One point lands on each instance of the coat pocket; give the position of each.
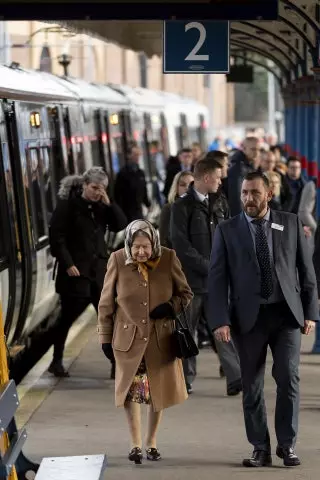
(164, 332)
(123, 336)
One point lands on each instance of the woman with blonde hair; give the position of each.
(179, 186)
(144, 289)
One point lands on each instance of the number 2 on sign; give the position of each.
(193, 55)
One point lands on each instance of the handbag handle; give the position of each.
(178, 319)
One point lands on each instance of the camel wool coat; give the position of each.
(123, 320)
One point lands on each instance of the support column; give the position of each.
(298, 121)
(304, 125)
(289, 100)
(312, 137)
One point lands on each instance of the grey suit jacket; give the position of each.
(235, 274)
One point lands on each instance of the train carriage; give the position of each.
(51, 127)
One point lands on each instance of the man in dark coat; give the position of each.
(181, 163)
(192, 226)
(242, 162)
(130, 190)
(77, 240)
(292, 186)
(262, 286)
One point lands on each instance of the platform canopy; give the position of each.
(291, 42)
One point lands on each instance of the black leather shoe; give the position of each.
(234, 388)
(58, 370)
(287, 454)
(189, 388)
(135, 455)
(153, 454)
(113, 371)
(259, 458)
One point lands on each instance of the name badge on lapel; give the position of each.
(276, 226)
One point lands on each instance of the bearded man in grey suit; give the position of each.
(262, 286)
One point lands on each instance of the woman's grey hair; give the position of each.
(175, 184)
(95, 175)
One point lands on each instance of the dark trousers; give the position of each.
(71, 308)
(277, 328)
(227, 352)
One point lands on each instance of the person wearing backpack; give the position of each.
(77, 241)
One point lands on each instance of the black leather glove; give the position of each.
(164, 310)
(108, 351)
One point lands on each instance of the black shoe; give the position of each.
(58, 370)
(189, 388)
(153, 454)
(234, 388)
(113, 371)
(135, 455)
(287, 454)
(259, 458)
(221, 372)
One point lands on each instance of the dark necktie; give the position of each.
(264, 260)
(206, 202)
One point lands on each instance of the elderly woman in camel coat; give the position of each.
(144, 289)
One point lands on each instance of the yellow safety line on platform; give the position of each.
(4, 378)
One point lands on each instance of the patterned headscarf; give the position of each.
(146, 227)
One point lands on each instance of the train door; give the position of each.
(101, 155)
(182, 133)
(147, 139)
(116, 124)
(164, 136)
(68, 132)
(203, 133)
(58, 137)
(10, 253)
(125, 129)
(22, 270)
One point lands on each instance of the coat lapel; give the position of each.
(246, 238)
(276, 217)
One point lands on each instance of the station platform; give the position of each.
(203, 438)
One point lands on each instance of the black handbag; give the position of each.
(185, 345)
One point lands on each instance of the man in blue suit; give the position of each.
(262, 285)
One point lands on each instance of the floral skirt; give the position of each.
(139, 391)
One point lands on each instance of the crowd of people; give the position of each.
(232, 255)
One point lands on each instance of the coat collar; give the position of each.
(245, 235)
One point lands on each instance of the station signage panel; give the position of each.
(196, 47)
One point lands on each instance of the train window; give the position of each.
(116, 148)
(194, 135)
(78, 155)
(48, 180)
(36, 192)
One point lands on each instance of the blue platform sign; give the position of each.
(199, 46)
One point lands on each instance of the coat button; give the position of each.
(145, 304)
(144, 321)
(164, 324)
(125, 326)
(145, 339)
